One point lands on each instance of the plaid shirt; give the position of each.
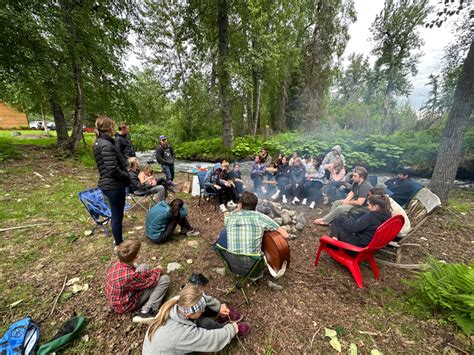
(245, 231)
(124, 286)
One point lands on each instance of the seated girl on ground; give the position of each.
(143, 185)
(360, 228)
(163, 218)
(185, 324)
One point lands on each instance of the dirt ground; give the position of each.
(36, 261)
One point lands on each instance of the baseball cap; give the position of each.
(162, 137)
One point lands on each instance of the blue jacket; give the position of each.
(158, 217)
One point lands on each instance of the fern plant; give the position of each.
(447, 289)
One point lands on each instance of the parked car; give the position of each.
(51, 125)
(36, 125)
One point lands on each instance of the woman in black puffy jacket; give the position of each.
(113, 174)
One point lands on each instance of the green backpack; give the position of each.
(69, 331)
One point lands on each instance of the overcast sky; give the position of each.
(432, 51)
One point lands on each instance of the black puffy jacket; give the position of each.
(111, 164)
(124, 145)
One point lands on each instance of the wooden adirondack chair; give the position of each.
(420, 207)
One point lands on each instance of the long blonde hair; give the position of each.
(188, 297)
(133, 163)
(104, 124)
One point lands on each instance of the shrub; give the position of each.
(446, 289)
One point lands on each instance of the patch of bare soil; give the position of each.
(288, 321)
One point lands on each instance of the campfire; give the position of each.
(290, 220)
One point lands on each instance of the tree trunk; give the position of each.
(449, 150)
(282, 101)
(257, 89)
(59, 121)
(76, 134)
(224, 77)
(248, 105)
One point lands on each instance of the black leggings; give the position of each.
(116, 199)
(207, 321)
(170, 227)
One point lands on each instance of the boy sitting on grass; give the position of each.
(131, 287)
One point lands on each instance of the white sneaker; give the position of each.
(304, 201)
(231, 204)
(276, 194)
(222, 208)
(311, 205)
(283, 199)
(295, 201)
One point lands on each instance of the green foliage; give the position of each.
(446, 289)
(8, 151)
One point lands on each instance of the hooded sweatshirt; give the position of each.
(330, 158)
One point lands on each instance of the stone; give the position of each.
(219, 270)
(293, 229)
(291, 213)
(286, 219)
(274, 287)
(172, 267)
(278, 220)
(193, 244)
(15, 134)
(292, 236)
(287, 228)
(276, 207)
(299, 226)
(189, 261)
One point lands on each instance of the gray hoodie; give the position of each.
(180, 335)
(330, 158)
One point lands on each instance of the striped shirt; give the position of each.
(245, 231)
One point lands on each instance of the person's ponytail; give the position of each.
(162, 316)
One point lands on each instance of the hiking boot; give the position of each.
(222, 208)
(144, 317)
(233, 316)
(244, 330)
(192, 233)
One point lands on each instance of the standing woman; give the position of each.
(113, 174)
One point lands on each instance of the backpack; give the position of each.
(21, 338)
(69, 330)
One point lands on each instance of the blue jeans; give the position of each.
(116, 199)
(168, 170)
(257, 185)
(222, 240)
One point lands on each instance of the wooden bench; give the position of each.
(420, 207)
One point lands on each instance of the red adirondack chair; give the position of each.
(383, 235)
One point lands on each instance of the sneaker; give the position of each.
(311, 205)
(115, 250)
(304, 201)
(231, 204)
(283, 199)
(295, 201)
(222, 208)
(192, 233)
(244, 330)
(275, 195)
(233, 316)
(144, 317)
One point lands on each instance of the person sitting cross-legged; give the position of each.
(403, 187)
(217, 182)
(244, 228)
(130, 287)
(282, 177)
(357, 197)
(163, 218)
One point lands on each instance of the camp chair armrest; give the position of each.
(337, 243)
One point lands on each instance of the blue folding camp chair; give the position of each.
(94, 202)
(203, 192)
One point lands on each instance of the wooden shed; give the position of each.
(11, 118)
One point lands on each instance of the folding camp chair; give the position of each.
(421, 206)
(94, 202)
(141, 199)
(203, 192)
(383, 235)
(245, 267)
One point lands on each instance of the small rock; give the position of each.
(139, 227)
(286, 219)
(274, 287)
(85, 338)
(193, 243)
(423, 238)
(131, 232)
(278, 220)
(291, 213)
(153, 258)
(299, 226)
(219, 270)
(292, 236)
(172, 267)
(15, 134)
(189, 261)
(87, 233)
